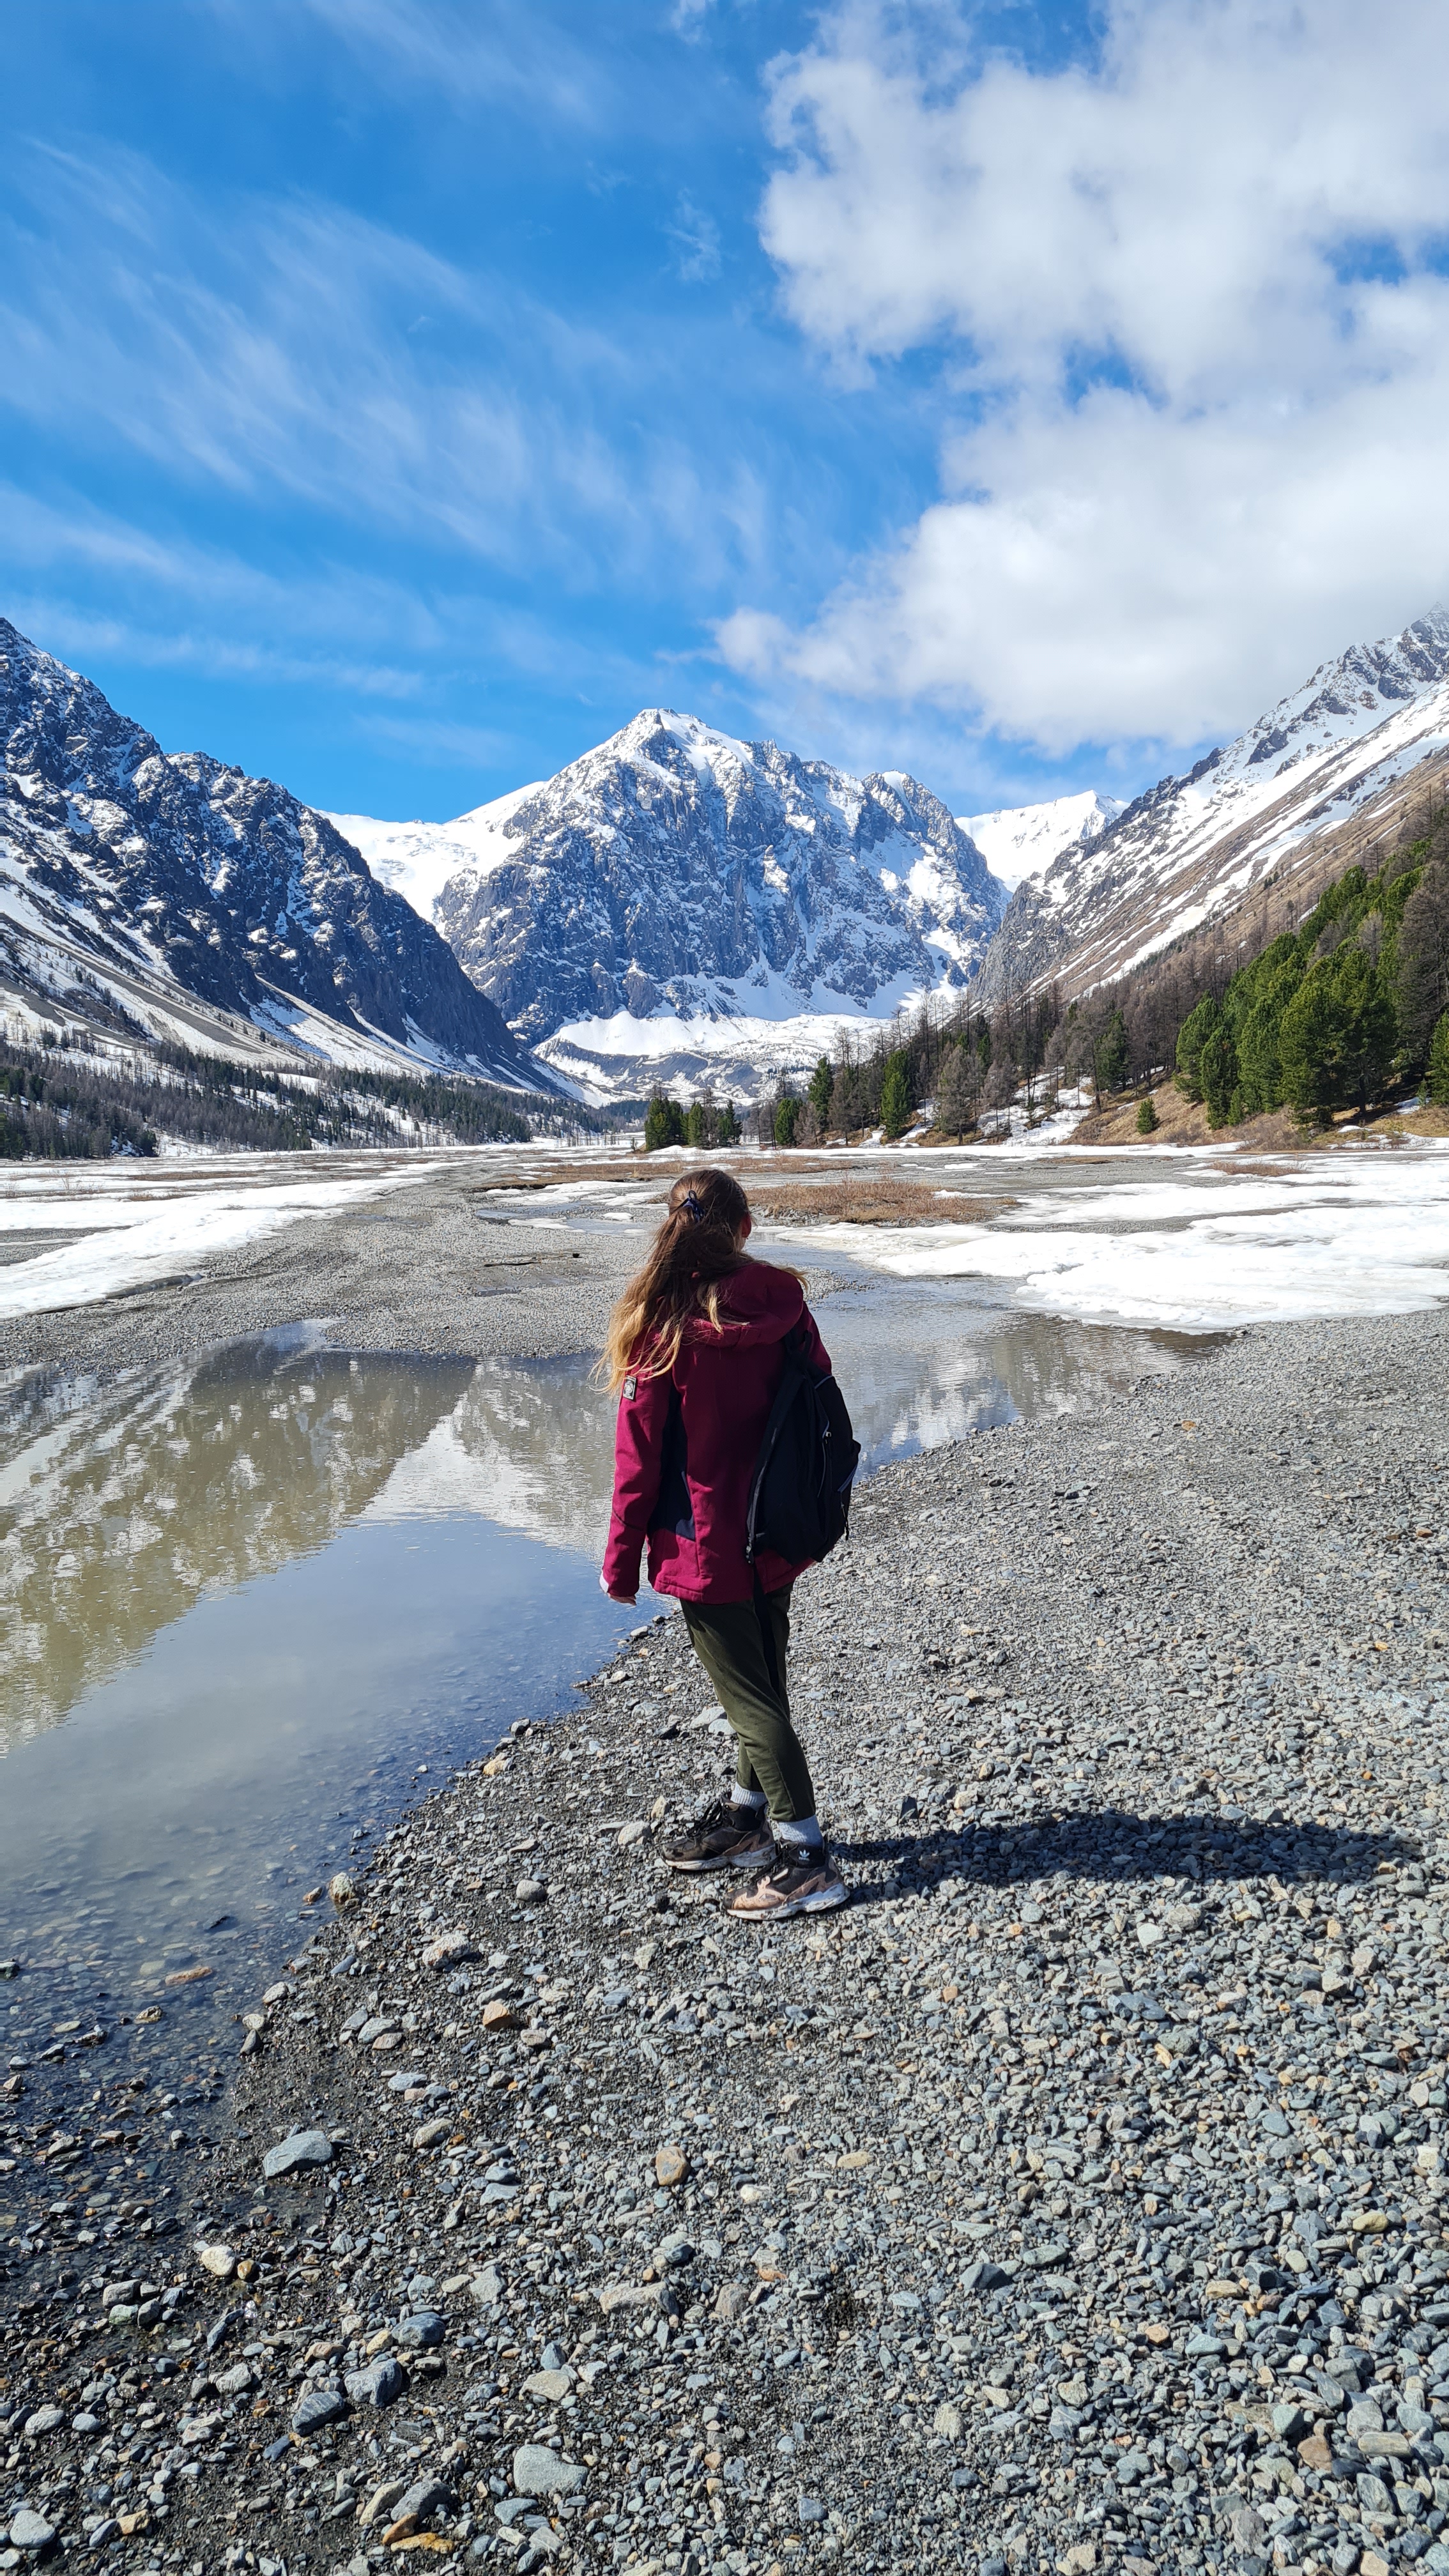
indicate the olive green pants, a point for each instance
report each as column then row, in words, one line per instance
column 726, row 1637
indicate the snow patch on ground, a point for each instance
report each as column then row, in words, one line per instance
column 1334, row 1236
column 132, row 1232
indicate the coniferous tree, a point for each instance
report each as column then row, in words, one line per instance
column 895, row 1094
column 1439, row 1062
column 1112, row 1055
column 822, row 1084
column 955, row 1093
column 1196, row 1029
column 1148, row 1121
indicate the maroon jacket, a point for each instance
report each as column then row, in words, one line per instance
column 685, row 1446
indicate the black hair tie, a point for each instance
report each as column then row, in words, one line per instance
column 691, row 1207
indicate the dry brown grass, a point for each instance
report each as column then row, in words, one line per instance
column 1185, row 1122
column 867, row 1200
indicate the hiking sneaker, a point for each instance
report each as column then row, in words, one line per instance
column 800, row 1882
column 727, row 1836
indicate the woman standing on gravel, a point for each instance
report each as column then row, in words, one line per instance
column 695, row 1346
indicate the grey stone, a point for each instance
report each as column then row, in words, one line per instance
column 420, row 2331
column 320, row 2406
column 486, row 2288
column 982, row 2277
column 380, row 2384
column 304, row 2150
column 426, row 2496
column 538, row 2471
column 30, row 2530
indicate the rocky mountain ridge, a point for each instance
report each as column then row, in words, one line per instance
column 207, row 904
column 677, row 898
column 1200, row 844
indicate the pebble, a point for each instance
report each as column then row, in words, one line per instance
column 421, row 2331
column 320, row 2406
column 541, row 2472
column 30, row 2530
column 303, row 2150
column 381, row 2384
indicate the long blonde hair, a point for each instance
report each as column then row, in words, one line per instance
column 696, row 1248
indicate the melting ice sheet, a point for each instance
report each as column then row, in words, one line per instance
column 1361, row 1232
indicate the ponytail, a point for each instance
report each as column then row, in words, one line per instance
column 696, row 1248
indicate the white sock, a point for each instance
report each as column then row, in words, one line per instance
column 754, row 1799
column 805, row 1831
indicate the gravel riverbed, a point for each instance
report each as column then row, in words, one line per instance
column 1072, row 2200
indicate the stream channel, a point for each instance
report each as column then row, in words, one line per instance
column 255, row 1607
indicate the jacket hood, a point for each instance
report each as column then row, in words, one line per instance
column 757, row 1305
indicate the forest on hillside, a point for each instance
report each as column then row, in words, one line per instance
column 62, row 1102
column 1341, row 1012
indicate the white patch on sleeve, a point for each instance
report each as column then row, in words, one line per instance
column 631, row 1387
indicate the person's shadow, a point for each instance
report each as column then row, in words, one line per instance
column 1116, row 1847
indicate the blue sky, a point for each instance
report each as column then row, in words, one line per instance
column 397, row 394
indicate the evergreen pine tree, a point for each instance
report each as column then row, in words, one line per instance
column 895, row 1094
column 822, row 1083
column 1113, row 1055
column 1148, row 1121
column 955, row 1095
column 1191, row 1037
column 1439, row 1062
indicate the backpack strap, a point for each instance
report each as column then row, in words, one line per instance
column 795, row 1375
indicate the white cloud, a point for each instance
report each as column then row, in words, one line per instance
column 1193, row 346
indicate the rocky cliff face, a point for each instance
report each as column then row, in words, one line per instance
column 675, row 873
column 1194, row 845
column 174, row 873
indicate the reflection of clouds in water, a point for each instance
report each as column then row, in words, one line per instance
column 121, row 1508
column 921, row 1370
column 529, row 1444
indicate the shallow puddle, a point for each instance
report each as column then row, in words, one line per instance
column 254, row 1607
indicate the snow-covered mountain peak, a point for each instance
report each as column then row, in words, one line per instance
column 1021, row 840
column 175, row 881
column 1192, row 844
column 675, row 874
column 417, row 859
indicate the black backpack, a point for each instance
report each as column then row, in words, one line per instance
column 799, row 1504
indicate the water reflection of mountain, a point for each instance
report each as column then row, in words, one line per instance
column 120, row 1507
column 530, row 1444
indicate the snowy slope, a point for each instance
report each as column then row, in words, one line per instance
column 205, row 904
column 1193, row 845
column 417, row 859
column 677, row 898
column 1021, row 840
